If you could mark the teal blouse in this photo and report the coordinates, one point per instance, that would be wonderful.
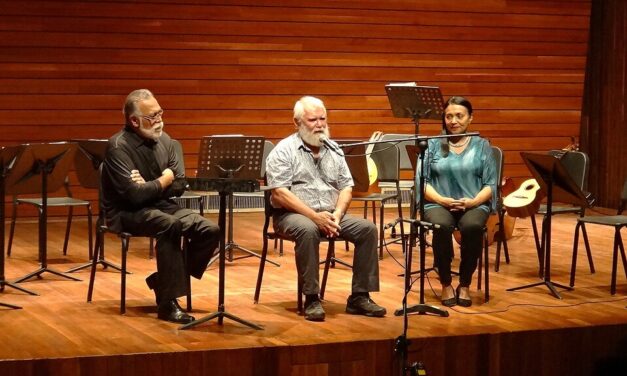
(460, 175)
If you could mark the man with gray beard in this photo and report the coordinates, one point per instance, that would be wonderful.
(311, 191)
(140, 175)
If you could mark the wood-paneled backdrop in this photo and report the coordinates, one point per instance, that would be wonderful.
(237, 66)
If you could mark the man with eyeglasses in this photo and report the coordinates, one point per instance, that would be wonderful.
(140, 175)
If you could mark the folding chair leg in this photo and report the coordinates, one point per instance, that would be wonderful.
(327, 263)
(68, 227)
(12, 229)
(588, 252)
(262, 263)
(125, 243)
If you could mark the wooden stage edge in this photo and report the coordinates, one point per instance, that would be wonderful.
(528, 332)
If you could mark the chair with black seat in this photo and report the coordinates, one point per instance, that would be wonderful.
(187, 199)
(386, 157)
(62, 201)
(617, 221)
(125, 238)
(577, 165)
(271, 235)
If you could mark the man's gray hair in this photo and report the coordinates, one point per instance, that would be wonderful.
(304, 103)
(130, 105)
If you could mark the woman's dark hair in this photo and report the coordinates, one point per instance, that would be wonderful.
(452, 100)
(455, 100)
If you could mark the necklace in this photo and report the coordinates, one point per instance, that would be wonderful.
(460, 144)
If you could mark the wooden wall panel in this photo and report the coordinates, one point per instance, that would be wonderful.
(238, 66)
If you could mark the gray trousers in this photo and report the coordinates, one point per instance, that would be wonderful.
(306, 234)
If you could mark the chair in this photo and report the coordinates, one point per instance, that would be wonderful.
(577, 164)
(386, 157)
(499, 157)
(125, 238)
(64, 201)
(617, 221)
(271, 235)
(186, 197)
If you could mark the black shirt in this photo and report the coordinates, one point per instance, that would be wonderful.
(128, 151)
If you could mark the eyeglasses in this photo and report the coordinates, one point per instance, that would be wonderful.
(154, 117)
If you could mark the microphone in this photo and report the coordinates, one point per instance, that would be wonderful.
(325, 140)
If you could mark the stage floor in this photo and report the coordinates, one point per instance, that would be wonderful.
(60, 324)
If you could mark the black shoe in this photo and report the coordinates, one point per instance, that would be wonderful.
(450, 302)
(462, 302)
(314, 311)
(363, 305)
(171, 311)
(153, 283)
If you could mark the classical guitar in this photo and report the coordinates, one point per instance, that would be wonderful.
(524, 201)
(372, 167)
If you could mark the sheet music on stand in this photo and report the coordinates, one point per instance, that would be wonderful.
(230, 157)
(408, 100)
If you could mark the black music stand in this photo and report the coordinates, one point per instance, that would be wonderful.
(41, 168)
(555, 182)
(237, 144)
(90, 155)
(230, 159)
(415, 102)
(8, 156)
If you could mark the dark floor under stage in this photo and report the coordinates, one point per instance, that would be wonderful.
(59, 324)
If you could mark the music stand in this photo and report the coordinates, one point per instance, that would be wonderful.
(415, 102)
(237, 144)
(41, 168)
(229, 159)
(557, 184)
(87, 160)
(8, 156)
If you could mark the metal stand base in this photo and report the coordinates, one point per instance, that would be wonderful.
(105, 264)
(551, 285)
(9, 306)
(37, 273)
(10, 284)
(220, 315)
(230, 246)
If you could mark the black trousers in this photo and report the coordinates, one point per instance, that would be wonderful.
(470, 223)
(168, 224)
